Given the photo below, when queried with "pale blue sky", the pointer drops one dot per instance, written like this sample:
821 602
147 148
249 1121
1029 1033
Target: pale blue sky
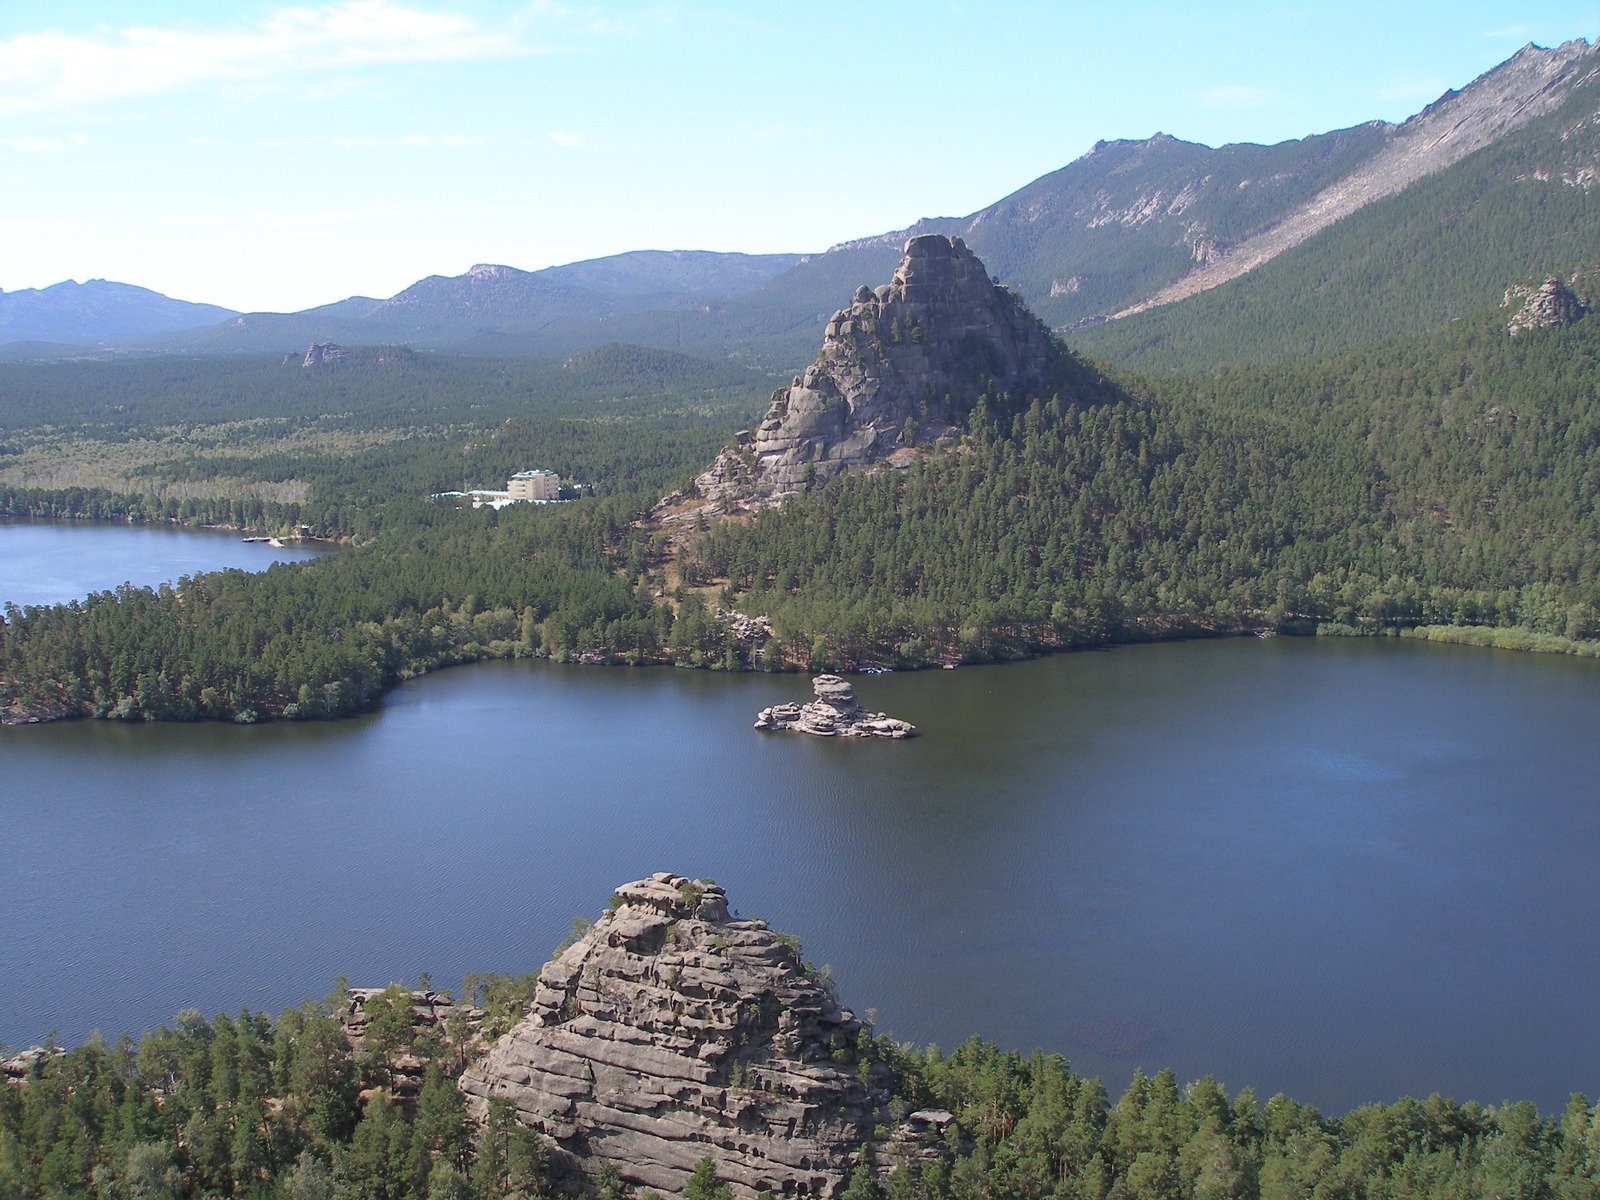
284 154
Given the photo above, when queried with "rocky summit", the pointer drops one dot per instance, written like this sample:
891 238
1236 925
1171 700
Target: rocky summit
904 363
835 712
671 1031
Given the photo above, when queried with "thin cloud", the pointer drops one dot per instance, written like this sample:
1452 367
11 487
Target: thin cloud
52 68
42 145
409 141
586 19
567 141
1236 96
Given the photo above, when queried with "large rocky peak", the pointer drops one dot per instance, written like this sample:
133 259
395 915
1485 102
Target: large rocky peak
921 348
670 1032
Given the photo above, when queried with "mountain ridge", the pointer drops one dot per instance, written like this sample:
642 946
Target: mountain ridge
97 312
1132 225
1439 136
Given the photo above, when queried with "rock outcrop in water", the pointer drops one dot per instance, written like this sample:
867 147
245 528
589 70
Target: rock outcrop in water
670 1032
903 364
835 712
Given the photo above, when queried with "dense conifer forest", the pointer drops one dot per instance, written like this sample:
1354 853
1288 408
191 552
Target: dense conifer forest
1447 479
1446 482
284 1109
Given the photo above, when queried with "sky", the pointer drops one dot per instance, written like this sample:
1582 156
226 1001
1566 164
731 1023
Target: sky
277 155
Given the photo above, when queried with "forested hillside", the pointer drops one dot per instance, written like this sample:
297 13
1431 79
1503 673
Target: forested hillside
1446 479
269 445
1434 480
1441 250
286 1110
376 385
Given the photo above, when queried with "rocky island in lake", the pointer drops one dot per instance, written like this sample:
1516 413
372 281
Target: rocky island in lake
835 712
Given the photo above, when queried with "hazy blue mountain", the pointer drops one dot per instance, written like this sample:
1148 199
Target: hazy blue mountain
490 301
673 273
97 313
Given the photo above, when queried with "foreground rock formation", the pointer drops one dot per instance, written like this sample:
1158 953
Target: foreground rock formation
835 712
421 1014
903 364
670 1032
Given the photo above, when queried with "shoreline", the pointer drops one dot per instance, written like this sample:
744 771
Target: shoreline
1491 637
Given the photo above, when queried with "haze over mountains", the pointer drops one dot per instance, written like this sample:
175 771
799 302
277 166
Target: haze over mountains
1378 228
97 313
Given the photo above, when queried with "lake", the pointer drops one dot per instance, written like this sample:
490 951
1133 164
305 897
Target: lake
1347 870
51 562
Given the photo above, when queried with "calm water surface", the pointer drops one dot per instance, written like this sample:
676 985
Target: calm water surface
51 562
1346 870
1341 869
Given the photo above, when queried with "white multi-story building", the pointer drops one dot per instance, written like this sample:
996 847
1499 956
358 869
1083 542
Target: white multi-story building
534 485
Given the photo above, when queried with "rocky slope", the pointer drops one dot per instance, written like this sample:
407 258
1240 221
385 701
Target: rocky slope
670 1032
1531 83
904 363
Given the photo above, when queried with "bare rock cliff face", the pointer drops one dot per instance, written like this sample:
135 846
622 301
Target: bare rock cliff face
1532 82
670 1032
922 347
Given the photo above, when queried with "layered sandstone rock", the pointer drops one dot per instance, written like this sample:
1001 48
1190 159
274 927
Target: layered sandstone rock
835 712
454 1024
903 364
671 1032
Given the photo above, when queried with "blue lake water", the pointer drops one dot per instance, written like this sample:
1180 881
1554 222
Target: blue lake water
1345 870
51 562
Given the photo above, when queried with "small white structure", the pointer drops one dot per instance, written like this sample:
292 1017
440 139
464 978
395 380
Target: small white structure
534 485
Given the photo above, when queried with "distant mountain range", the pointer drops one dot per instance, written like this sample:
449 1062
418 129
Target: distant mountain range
97 313
1132 237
